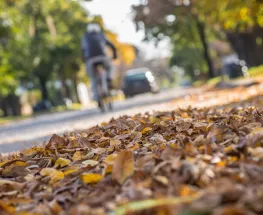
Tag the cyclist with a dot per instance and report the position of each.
(94, 45)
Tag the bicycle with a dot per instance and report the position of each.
(104, 93)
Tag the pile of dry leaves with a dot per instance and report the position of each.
(189, 162)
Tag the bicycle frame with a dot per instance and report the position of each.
(103, 89)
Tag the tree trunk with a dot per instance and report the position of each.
(208, 59)
(75, 85)
(64, 88)
(43, 87)
(4, 106)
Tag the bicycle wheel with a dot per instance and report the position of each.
(103, 90)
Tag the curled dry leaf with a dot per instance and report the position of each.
(90, 163)
(123, 166)
(77, 156)
(147, 129)
(13, 184)
(115, 142)
(62, 162)
(55, 175)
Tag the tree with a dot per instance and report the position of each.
(239, 22)
(47, 35)
(242, 22)
(169, 18)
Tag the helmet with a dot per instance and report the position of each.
(93, 27)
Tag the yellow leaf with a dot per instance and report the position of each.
(154, 120)
(91, 178)
(33, 150)
(4, 207)
(145, 130)
(123, 166)
(62, 162)
(55, 207)
(28, 213)
(135, 146)
(70, 170)
(221, 164)
(8, 168)
(108, 169)
(186, 190)
(90, 163)
(3, 163)
(110, 159)
(55, 175)
(104, 123)
(114, 142)
(19, 163)
(228, 148)
(77, 156)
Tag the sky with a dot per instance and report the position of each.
(117, 16)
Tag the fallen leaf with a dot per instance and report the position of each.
(137, 136)
(13, 184)
(114, 142)
(256, 152)
(91, 178)
(90, 163)
(62, 162)
(5, 208)
(110, 159)
(55, 175)
(70, 170)
(123, 166)
(77, 156)
(162, 179)
(55, 207)
(147, 129)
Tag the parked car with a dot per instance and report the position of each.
(138, 81)
(43, 105)
(185, 83)
(234, 68)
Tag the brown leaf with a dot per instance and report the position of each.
(123, 166)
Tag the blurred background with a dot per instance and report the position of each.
(168, 43)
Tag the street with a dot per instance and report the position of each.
(35, 131)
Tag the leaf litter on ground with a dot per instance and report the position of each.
(206, 161)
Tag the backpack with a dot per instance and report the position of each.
(96, 43)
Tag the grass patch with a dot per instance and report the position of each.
(255, 72)
(6, 120)
(61, 108)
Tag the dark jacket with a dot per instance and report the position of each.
(94, 44)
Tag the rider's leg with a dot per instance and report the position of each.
(109, 67)
(92, 75)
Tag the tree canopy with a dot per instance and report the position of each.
(193, 24)
(40, 41)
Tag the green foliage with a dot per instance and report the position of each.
(240, 22)
(42, 39)
(187, 49)
(256, 72)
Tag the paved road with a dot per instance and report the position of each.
(35, 131)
